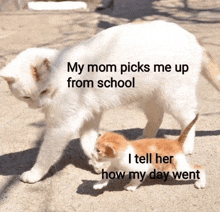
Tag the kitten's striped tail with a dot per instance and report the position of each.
(184, 134)
(210, 70)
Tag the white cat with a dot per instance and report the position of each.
(27, 74)
(70, 111)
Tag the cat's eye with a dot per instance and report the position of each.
(26, 97)
(97, 150)
(44, 91)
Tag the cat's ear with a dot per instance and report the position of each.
(7, 76)
(109, 151)
(41, 69)
(47, 64)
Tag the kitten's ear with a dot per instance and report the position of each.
(41, 69)
(6, 76)
(109, 151)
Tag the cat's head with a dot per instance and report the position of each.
(27, 75)
(109, 145)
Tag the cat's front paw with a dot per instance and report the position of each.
(100, 185)
(130, 188)
(32, 176)
(199, 184)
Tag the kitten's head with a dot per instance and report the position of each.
(27, 75)
(109, 145)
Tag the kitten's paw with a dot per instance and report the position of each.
(32, 176)
(199, 184)
(130, 188)
(100, 185)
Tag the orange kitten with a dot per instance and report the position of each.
(125, 156)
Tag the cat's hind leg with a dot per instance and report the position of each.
(184, 116)
(201, 182)
(154, 113)
(195, 172)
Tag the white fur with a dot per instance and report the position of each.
(19, 69)
(73, 111)
(183, 165)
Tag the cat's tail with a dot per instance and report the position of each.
(184, 134)
(210, 70)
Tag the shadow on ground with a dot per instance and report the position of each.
(86, 188)
(18, 162)
(182, 11)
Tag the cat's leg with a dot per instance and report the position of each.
(104, 182)
(195, 172)
(154, 113)
(134, 183)
(54, 143)
(184, 115)
(136, 180)
(88, 137)
(201, 182)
